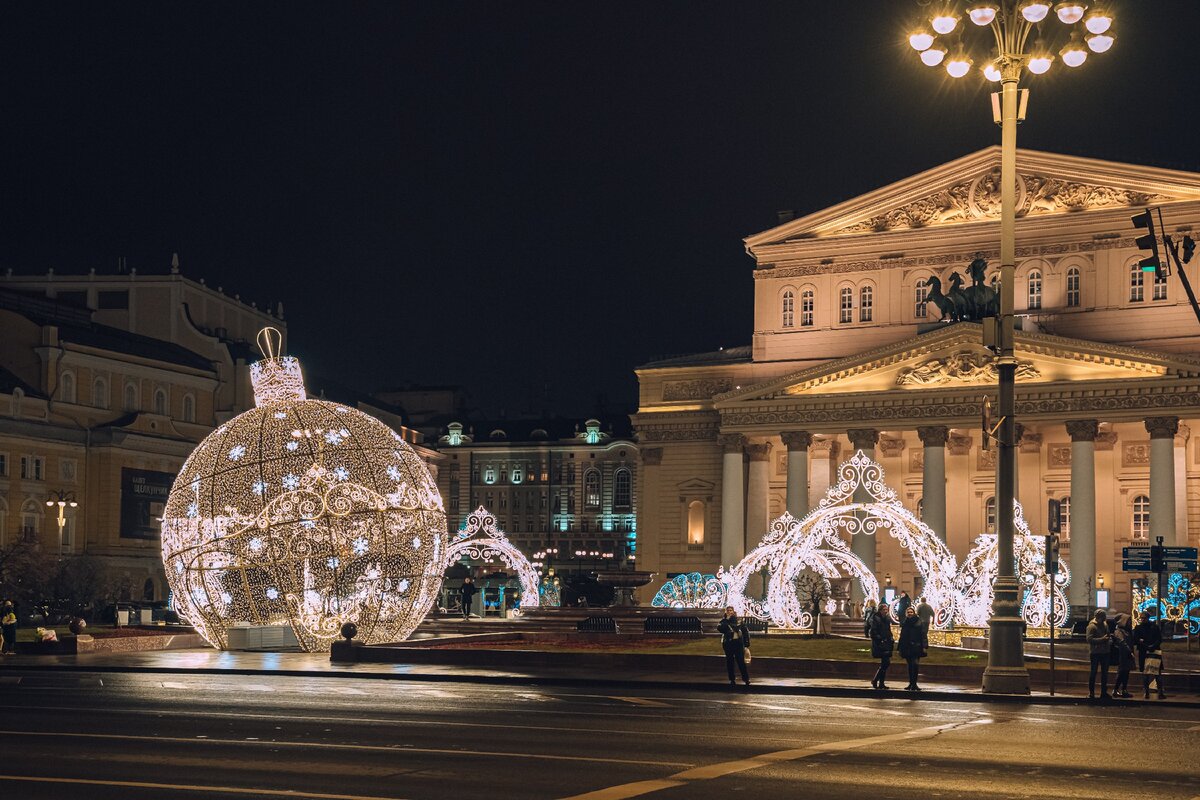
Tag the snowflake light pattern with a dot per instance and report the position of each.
(329, 550)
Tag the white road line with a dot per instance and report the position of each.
(125, 737)
(642, 701)
(175, 685)
(723, 768)
(183, 787)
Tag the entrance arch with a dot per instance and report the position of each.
(816, 543)
(480, 539)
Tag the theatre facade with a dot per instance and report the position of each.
(849, 352)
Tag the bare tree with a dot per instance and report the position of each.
(813, 591)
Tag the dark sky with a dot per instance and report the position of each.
(525, 198)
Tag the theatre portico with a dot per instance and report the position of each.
(848, 353)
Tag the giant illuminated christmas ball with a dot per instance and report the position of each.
(305, 513)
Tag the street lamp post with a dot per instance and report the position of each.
(63, 500)
(1012, 23)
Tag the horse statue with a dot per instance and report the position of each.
(982, 300)
(957, 296)
(944, 304)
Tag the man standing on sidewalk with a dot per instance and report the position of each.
(1099, 645)
(467, 596)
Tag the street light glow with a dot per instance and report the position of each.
(1070, 12)
(958, 66)
(921, 40)
(1034, 10)
(944, 23)
(983, 13)
(991, 71)
(1099, 42)
(933, 56)
(1039, 65)
(1098, 21)
(1074, 54)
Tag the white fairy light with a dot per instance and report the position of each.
(691, 590)
(259, 529)
(480, 539)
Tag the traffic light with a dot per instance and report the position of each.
(1052, 554)
(1149, 241)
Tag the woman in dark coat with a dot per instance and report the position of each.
(1122, 654)
(735, 641)
(1147, 638)
(912, 646)
(882, 644)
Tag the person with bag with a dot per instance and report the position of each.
(882, 644)
(1147, 640)
(1099, 647)
(912, 646)
(868, 612)
(1122, 654)
(735, 641)
(8, 625)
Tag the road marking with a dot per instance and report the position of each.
(175, 685)
(723, 768)
(126, 737)
(184, 787)
(872, 710)
(642, 701)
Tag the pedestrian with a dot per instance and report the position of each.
(882, 644)
(735, 641)
(8, 625)
(1122, 654)
(869, 611)
(912, 646)
(1147, 639)
(1099, 646)
(902, 606)
(925, 616)
(467, 596)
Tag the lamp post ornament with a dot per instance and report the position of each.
(63, 500)
(1013, 23)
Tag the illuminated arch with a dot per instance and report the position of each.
(816, 543)
(481, 539)
(973, 583)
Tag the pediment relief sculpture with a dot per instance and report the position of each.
(966, 367)
(979, 198)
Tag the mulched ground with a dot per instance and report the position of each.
(565, 642)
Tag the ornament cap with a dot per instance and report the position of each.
(276, 377)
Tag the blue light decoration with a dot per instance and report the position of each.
(1182, 602)
(691, 590)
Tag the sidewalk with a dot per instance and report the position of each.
(317, 665)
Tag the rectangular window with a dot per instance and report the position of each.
(1137, 284)
(32, 468)
(3, 467)
(847, 306)
(922, 306)
(114, 300)
(1160, 287)
(806, 310)
(1073, 288)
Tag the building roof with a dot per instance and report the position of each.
(726, 355)
(9, 382)
(536, 431)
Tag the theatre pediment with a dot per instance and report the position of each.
(968, 190)
(954, 358)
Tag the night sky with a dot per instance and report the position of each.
(525, 198)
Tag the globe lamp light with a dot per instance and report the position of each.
(1034, 10)
(1098, 21)
(933, 56)
(1070, 12)
(1040, 64)
(1100, 42)
(944, 23)
(983, 13)
(921, 40)
(958, 65)
(991, 72)
(1074, 54)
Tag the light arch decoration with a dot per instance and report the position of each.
(1181, 605)
(691, 590)
(816, 542)
(480, 539)
(973, 582)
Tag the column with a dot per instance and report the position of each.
(733, 512)
(797, 443)
(1162, 478)
(1181, 521)
(758, 506)
(1031, 493)
(863, 545)
(933, 478)
(649, 533)
(824, 456)
(1083, 514)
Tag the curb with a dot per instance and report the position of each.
(718, 687)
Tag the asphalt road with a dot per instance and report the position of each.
(78, 735)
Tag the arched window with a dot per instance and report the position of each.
(189, 408)
(1140, 527)
(922, 299)
(1035, 289)
(807, 302)
(1160, 285)
(31, 521)
(131, 397)
(1137, 290)
(622, 489)
(160, 402)
(846, 313)
(696, 517)
(1073, 299)
(100, 393)
(989, 515)
(1064, 518)
(789, 309)
(18, 397)
(66, 388)
(591, 489)
(866, 303)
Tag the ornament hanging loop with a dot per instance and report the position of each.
(270, 342)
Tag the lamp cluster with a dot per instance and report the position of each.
(940, 44)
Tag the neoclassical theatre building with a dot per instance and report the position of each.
(849, 352)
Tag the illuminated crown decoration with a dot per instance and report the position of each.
(480, 539)
(304, 513)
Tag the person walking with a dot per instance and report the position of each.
(925, 617)
(882, 644)
(869, 611)
(8, 625)
(912, 646)
(902, 606)
(1147, 640)
(466, 596)
(735, 641)
(1122, 654)
(1099, 647)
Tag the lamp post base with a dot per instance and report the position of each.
(1005, 673)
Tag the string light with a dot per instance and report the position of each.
(305, 513)
(480, 539)
(691, 590)
(1182, 603)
